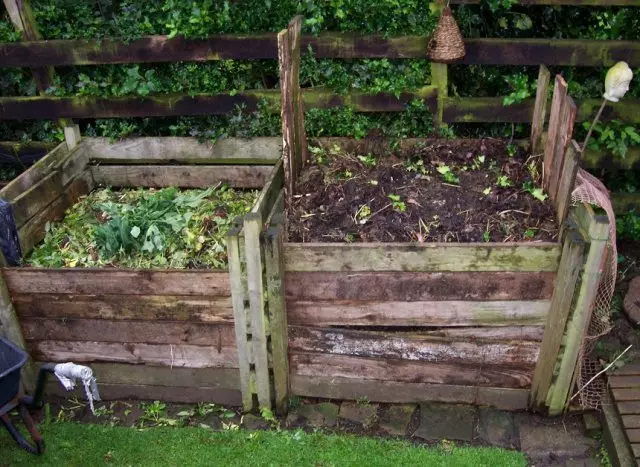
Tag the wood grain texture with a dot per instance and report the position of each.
(178, 394)
(401, 393)
(342, 366)
(626, 394)
(628, 407)
(431, 257)
(567, 181)
(97, 281)
(440, 313)
(631, 421)
(563, 140)
(630, 369)
(102, 330)
(555, 122)
(418, 286)
(185, 176)
(190, 356)
(269, 193)
(125, 307)
(624, 381)
(540, 109)
(633, 434)
(185, 150)
(411, 346)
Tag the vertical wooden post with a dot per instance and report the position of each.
(540, 109)
(563, 140)
(259, 320)
(277, 315)
(72, 136)
(559, 95)
(439, 78)
(567, 181)
(598, 234)
(570, 266)
(23, 21)
(239, 297)
(294, 147)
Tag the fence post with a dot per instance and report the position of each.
(294, 147)
(540, 109)
(598, 234)
(23, 21)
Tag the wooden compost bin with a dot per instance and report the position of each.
(147, 334)
(332, 320)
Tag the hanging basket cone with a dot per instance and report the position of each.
(446, 45)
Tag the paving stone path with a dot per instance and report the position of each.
(546, 441)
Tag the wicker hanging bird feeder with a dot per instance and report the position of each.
(446, 45)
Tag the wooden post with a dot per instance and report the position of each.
(559, 95)
(259, 321)
(277, 315)
(72, 136)
(23, 21)
(239, 297)
(540, 109)
(598, 235)
(570, 266)
(294, 147)
(567, 181)
(439, 77)
(563, 140)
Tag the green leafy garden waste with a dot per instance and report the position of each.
(144, 228)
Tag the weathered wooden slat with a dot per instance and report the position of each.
(603, 159)
(183, 150)
(419, 286)
(190, 356)
(570, 268)
(124, 373)
(432, 257)
(269, 193)
(32, 201)
(439, 313)
(494, 51)
(398, 392)
(411, 346)
(555, 121)
(635, 448)
(633, 434)
(502, 333)
(125, 307)
(631, 421)
(33, 231)
(485, 109)
(540, 108)
(97, 281)
(628, 407)
(626, 394)
(102, 330)
(180, 394)
(564, 139)
(567, 181)
(630, 369)
(342, 366)
(158, 176)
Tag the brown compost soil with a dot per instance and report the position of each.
(403, 197)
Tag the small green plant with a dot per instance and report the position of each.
(349, 238)
(487, 191)
(447, 175)
(503, 181)
(319, 154)
(369, 160)
(103, 411)
(616, 136)
(362, 214)
(486, 236)
(511, 149)
(363, 401)
(396, 203)
(153, 412)
(530, 233)
(416, 166)
(533, 190)
(521, 89)
(267, 416)
(478, 162)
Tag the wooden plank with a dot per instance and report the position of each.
(124, 373)
(95, 281)
(581, 313)
(485, 109)
(343, 366)
(274, 263)
(240, 295)
(616, 381)
(269, 193)
(419, 286)
(555, 116)
(570, 268)
(633, 435)
(567, 181)
(631, 421)
(479, 51)
(32, 201)
(257, 299)
(439, 313)
(35, 173)
(102, 330)
(399, 392)
(614, 436)
(628, 407)
(287, 113)
(626, 394)
(502, 333)
(430, 257)
(186, 394)
(159, 176)
(540, 109)
(190, 356)
(125, 307)
(564, 138)
(628, 370)
(184, 150)
(635, 448)
(33, 231)
(412, 346)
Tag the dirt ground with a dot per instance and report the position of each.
(446, 191)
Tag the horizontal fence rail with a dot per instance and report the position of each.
(573, 52)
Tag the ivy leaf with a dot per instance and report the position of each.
(538, 194)
(523, 22)
(135, 231)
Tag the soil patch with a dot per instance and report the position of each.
(445, 191)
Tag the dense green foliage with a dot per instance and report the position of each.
(144, 228)
(72, 444)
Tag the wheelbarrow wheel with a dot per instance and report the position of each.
(37, 446)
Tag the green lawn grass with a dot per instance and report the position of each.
(72, 444)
